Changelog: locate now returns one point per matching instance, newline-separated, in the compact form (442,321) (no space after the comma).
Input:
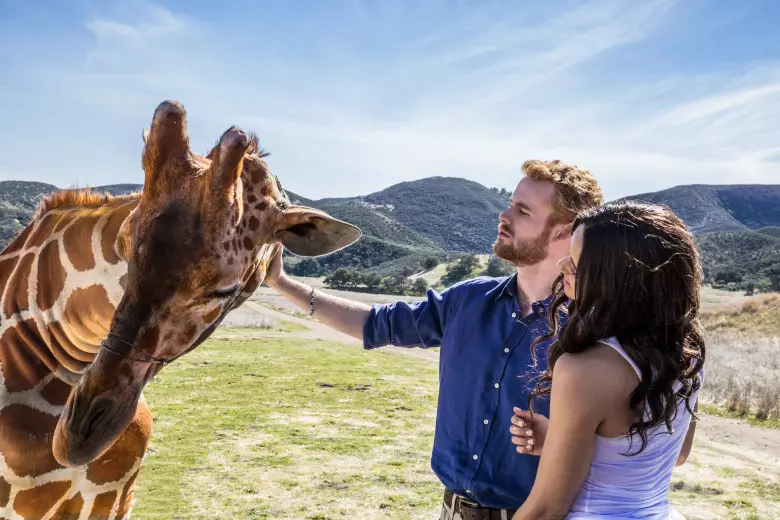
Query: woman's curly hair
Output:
(638,279)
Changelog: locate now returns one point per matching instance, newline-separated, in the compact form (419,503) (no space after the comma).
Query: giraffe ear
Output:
(166,146)
(311,232)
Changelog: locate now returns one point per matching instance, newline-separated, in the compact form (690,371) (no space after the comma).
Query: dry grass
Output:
(743,355)
(742,374)
(755,315)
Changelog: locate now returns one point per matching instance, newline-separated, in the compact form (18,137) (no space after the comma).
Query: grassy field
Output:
(248,429)
(263,421)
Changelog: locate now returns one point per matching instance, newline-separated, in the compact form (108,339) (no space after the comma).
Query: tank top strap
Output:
(613,342)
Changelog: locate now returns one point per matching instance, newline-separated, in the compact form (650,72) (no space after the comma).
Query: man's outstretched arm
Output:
(342,314)
(417,324)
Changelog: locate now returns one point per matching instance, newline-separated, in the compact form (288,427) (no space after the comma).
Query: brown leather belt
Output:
(469,510)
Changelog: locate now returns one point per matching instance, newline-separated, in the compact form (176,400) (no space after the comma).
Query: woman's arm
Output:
(688,442)
(576,410)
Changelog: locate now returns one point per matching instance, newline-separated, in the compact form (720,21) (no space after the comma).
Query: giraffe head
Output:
(196,245)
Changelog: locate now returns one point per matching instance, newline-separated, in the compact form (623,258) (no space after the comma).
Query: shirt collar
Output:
(508,288)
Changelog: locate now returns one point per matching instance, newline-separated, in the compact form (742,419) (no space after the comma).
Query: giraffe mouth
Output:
(87,428)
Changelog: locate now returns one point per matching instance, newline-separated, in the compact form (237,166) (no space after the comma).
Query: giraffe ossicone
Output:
(150,276)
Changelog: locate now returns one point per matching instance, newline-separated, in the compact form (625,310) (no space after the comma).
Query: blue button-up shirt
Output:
(485,368)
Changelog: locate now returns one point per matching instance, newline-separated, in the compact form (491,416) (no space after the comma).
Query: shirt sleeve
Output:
(403,324)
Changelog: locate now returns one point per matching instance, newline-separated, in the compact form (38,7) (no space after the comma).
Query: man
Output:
(485,328)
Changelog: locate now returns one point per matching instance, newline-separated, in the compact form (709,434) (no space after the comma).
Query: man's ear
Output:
(311,232)
(563,231)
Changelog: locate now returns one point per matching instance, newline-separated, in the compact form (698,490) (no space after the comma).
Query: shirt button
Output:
(506,350)
(514,315)
(475,457)
(496,385)
(485,421)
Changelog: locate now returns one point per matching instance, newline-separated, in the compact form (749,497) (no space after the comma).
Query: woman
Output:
(625,371)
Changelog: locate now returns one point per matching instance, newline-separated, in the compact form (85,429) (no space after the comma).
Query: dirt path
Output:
(733,472)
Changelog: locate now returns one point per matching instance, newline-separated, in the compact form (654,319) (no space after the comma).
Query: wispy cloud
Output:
(352,99)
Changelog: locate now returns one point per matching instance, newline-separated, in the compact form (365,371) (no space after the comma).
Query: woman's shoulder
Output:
(601,365)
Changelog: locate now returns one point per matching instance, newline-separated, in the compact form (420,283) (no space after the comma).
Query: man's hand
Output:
(275,270)
(528,432)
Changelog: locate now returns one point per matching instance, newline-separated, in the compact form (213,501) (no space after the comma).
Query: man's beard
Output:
(527,252)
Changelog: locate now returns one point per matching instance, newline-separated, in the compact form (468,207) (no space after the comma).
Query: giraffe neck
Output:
(60,283)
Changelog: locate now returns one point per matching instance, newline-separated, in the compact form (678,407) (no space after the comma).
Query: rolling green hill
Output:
(737,227)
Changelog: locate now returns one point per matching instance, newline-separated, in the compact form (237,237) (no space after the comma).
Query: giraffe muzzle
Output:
(88,427)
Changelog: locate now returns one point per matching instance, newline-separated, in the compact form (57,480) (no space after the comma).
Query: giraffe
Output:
(98,293)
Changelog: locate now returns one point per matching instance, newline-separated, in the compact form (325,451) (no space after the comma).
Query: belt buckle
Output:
(468,503)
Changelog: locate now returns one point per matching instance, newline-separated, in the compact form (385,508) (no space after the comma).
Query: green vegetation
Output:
(248,428)
(412,226)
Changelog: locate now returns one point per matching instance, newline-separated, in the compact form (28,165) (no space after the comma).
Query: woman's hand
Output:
(528,432)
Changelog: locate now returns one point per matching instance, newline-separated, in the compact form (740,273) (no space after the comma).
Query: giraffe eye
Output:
(222,294)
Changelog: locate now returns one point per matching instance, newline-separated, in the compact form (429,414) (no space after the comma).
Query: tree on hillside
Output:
(497,267)
(372,282)
(773,273)
(344,278)
(396,284)
(430,263)
(460,270)
(727,276)
(419,287)
(306,267)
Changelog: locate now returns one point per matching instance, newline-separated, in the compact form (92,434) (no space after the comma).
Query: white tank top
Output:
(632,486)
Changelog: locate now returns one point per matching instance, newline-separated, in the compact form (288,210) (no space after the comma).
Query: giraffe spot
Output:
(230,260)
(25,440)
(6,268)
(35,502)
(235,244)
(63,221)
(16,292)
(19,241)
(78,243)
(126,500)
(67,353)
(5,492)
(88,313)
(56,392)
(26,361)
(260,206)
(71,508)
(51,276)
(114,464)
(149,339)
(226,245)
(111,230)
(249,244)
(103,505)
(212,315)
(251,199)
(44,230)
(253,223)
(257,176)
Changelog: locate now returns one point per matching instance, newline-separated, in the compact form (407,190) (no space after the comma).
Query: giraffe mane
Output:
(78,197)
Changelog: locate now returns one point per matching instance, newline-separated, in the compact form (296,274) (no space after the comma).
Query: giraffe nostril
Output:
(95,417)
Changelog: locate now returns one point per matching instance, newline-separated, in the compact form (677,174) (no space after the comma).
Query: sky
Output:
(352,96)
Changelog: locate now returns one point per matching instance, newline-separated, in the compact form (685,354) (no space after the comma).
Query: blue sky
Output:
(353,96)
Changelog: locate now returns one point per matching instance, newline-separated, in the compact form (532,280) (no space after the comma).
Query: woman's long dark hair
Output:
(637,279)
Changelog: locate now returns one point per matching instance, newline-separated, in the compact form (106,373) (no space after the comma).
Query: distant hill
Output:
(721,208)
(737,227)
